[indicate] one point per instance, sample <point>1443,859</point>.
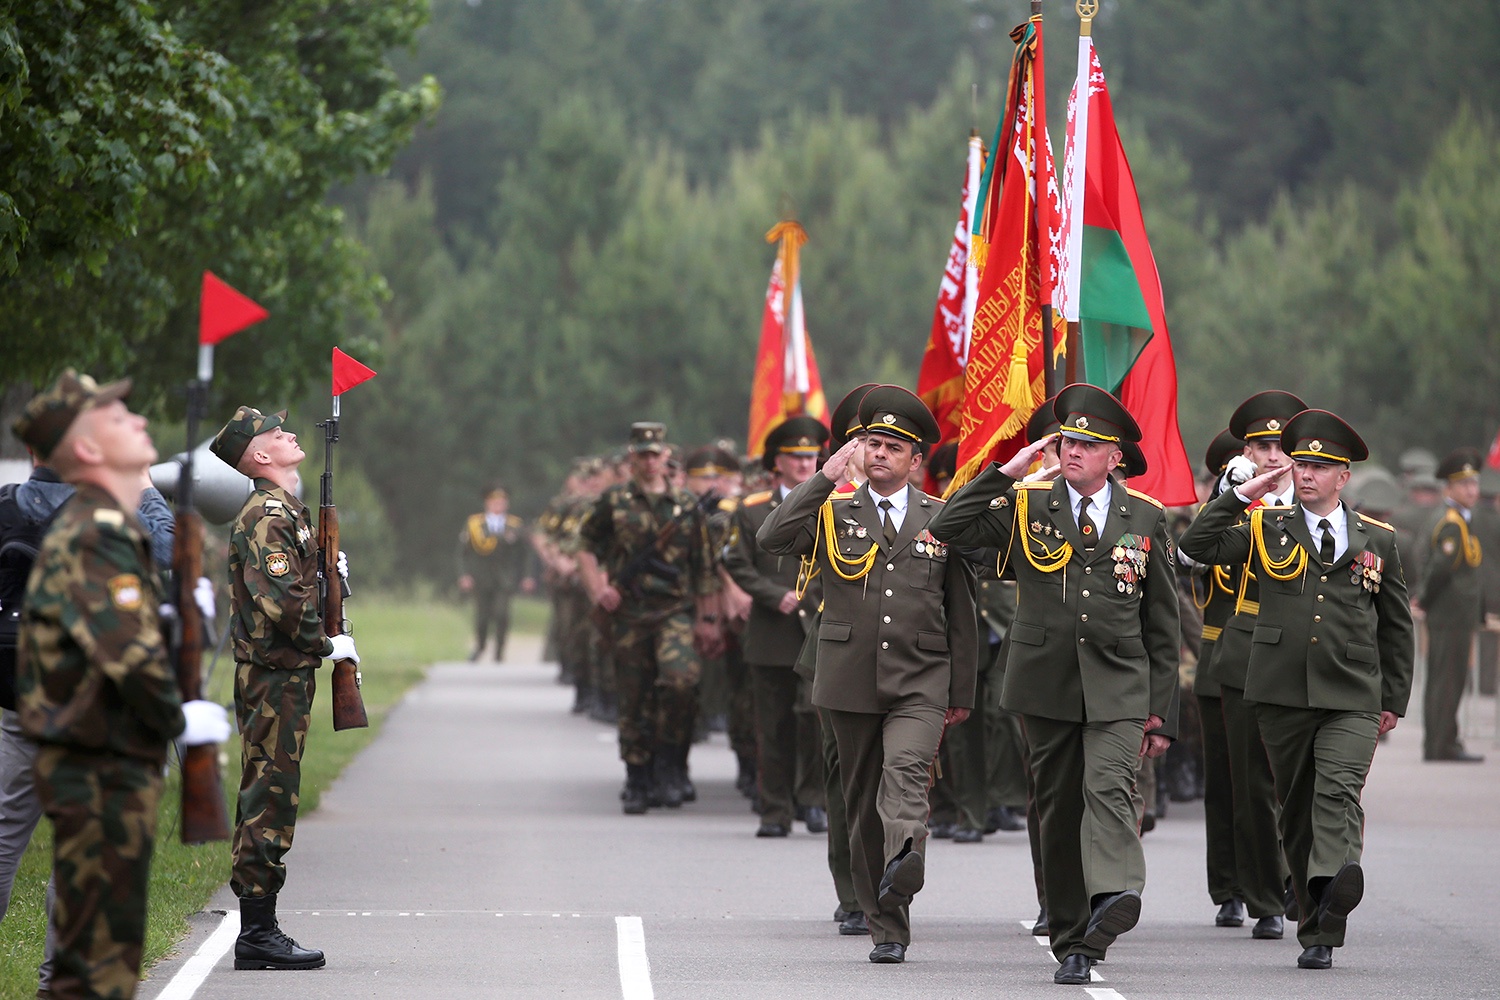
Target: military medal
<point>860,532</point>
<point>921,548</point>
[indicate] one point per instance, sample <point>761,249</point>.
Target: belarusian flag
<point>1015,230</point>
<point>1109,283</point>
<point>940,383</point>
<point>786,382</point>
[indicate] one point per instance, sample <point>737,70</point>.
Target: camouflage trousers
<point>656,675</point>
<point>274,708</point>
<point>103,812</point>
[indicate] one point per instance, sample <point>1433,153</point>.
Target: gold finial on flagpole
<point>1086,11</point>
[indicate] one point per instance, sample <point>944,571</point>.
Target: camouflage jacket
<point>275,617</point>
<point>625,520</point>
<point>93,671</point>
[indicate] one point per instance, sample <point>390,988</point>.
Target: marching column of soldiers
<point>1050,650</point>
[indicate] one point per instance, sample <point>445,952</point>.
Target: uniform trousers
<point>1218,802</point>
<point>1320,759</point>
<point>884,759</point>
<point>20,810</point>
<point>789,765</point>
<point>1260,864</point>
<point>274,710</point>
<point>492,611</point>
<point>103,810</point>
<point>839,858</point>
<point>1448,653</point>
<point>1091,845</point>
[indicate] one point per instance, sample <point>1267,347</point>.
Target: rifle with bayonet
<point>333,587</point>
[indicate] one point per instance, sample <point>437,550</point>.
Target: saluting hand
<point>1021,460</point>
<point>837,465</point>
<point>1263,483</point>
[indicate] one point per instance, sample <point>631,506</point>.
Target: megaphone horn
<point>218,491</point>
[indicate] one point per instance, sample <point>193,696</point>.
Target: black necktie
<point>1085,526</point>
<point>1325,547</point>
<point>890,524</point>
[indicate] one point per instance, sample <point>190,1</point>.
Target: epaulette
<point>1039,485</point>
<point>729,505</point>
<point>1367,519</point>
<point>275,507</point>
<point>755,499</point>
<point>1146,497</point>
<point>113,518</point>
<point>1280,506</point>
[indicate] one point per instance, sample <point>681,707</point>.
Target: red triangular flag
<point>223,312</point>
<point>348,373</point>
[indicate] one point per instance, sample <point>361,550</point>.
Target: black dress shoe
<point>1231,914</point>
<point>772,830</point>
<point>1114,915</point>
<point>943,831</point>
<point>967,836</point>
<point>1340,896</point>
<point>1319,956</point>
<point>854,925</point>
<point>1289,903</point>
<point>1074,970</point>
<point>1008,819</point>
<point>840,914</point>
<point>816,819</point>
<point>1459,756</point>
<point>1042,928</point>
<point>890,953</point>
<point>902,880</point>
<point>1268,929</point>
<point>1148,822</point>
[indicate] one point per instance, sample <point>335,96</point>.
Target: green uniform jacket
<point>496,562</point>
<point>907,630</point>
<point>771,638</point>
<point>1452,591</point>
<point>92,670</point>
<point>1082,648</point>
<point>1218,582</point>
<point>275,618</point>
<point>1330,640</point>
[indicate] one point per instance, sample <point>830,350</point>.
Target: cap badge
<point>889,418</point>
<point>1273,424</point>
<point>1082,423</point>
<point>1316,445</point>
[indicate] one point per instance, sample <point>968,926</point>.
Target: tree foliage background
<point>575,239</point>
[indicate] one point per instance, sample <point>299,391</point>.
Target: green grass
<point>398,638</point>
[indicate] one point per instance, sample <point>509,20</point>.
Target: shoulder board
<point>113,518</point>
<point>519,522</point>
<point>273,506</point>
<point>1146,497</point>
<point>1034,486</point>
<point>1366,519</point>
<point>729,504</point>
<point>755,499</point>
<point>1281,509</point>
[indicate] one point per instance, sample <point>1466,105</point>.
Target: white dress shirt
<point>1098,507</point>
<point>897,513</point>
<point>1339,519</point>
<point>495,523</point>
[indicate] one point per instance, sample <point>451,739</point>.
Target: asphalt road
<point>477,850</point>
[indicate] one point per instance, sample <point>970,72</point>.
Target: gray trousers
<point>20,809</point>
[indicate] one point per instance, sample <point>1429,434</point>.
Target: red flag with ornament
<point>786,382</point>
<point>1015,239</point>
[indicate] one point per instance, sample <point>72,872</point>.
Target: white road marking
<point>635,968</point>
<point>1102,993</point>
<point>197,968</point>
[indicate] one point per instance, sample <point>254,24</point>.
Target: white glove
<point>1239,470</point>
<point>343,566</point>
<point>343,648</point>
<point>207,722</point>
<point>203,596</point>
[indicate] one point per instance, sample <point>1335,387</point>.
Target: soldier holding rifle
<point>279,639</point>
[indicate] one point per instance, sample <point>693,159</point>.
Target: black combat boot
<point>664,778</point>
<point>684,780</point>
<point>633,799</point>
<point>744,782</point>
<point>262,945</point>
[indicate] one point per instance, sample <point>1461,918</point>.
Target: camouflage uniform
<point>278,638</point>
<point>656,667</point>
<point>103,713</point>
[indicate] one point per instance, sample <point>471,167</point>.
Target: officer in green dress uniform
<point>494,562</point>
<point>1331,660</point>
<point>1451,596</point>
<point>896,646</point>
<point>1092,660</point>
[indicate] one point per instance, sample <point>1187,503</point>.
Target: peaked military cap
<point>1418,463</point>
<point>234,438</point>
<point>1088,413</point>
<point>799,435</point>
<point>711,460</point>
<point>1264,415</point>
<point>1132,460</point>
<point>898,413</point>
<point>846,415</point>
<point>1220,450</point>
<point>1320,436</point>
<point>48,416</point>
<point>1043,422</point>
<point>646,435</point>
<point>1460,463</point>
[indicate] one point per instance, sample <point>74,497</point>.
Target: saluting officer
<point>1451,598</point>
<point>1331,658</point>
<point>897,648</point>
<point>276,628</point>
<point>1092,661</point>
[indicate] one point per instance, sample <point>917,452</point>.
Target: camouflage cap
<point>50,413</point>
<point>235,437</point>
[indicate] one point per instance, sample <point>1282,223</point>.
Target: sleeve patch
<point>125,591</point>
<point>278,564</point>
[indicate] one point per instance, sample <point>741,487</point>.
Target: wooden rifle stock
<point>348,704</point>
<point>204,815</point>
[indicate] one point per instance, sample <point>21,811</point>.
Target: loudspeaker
<point>218,491</point>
